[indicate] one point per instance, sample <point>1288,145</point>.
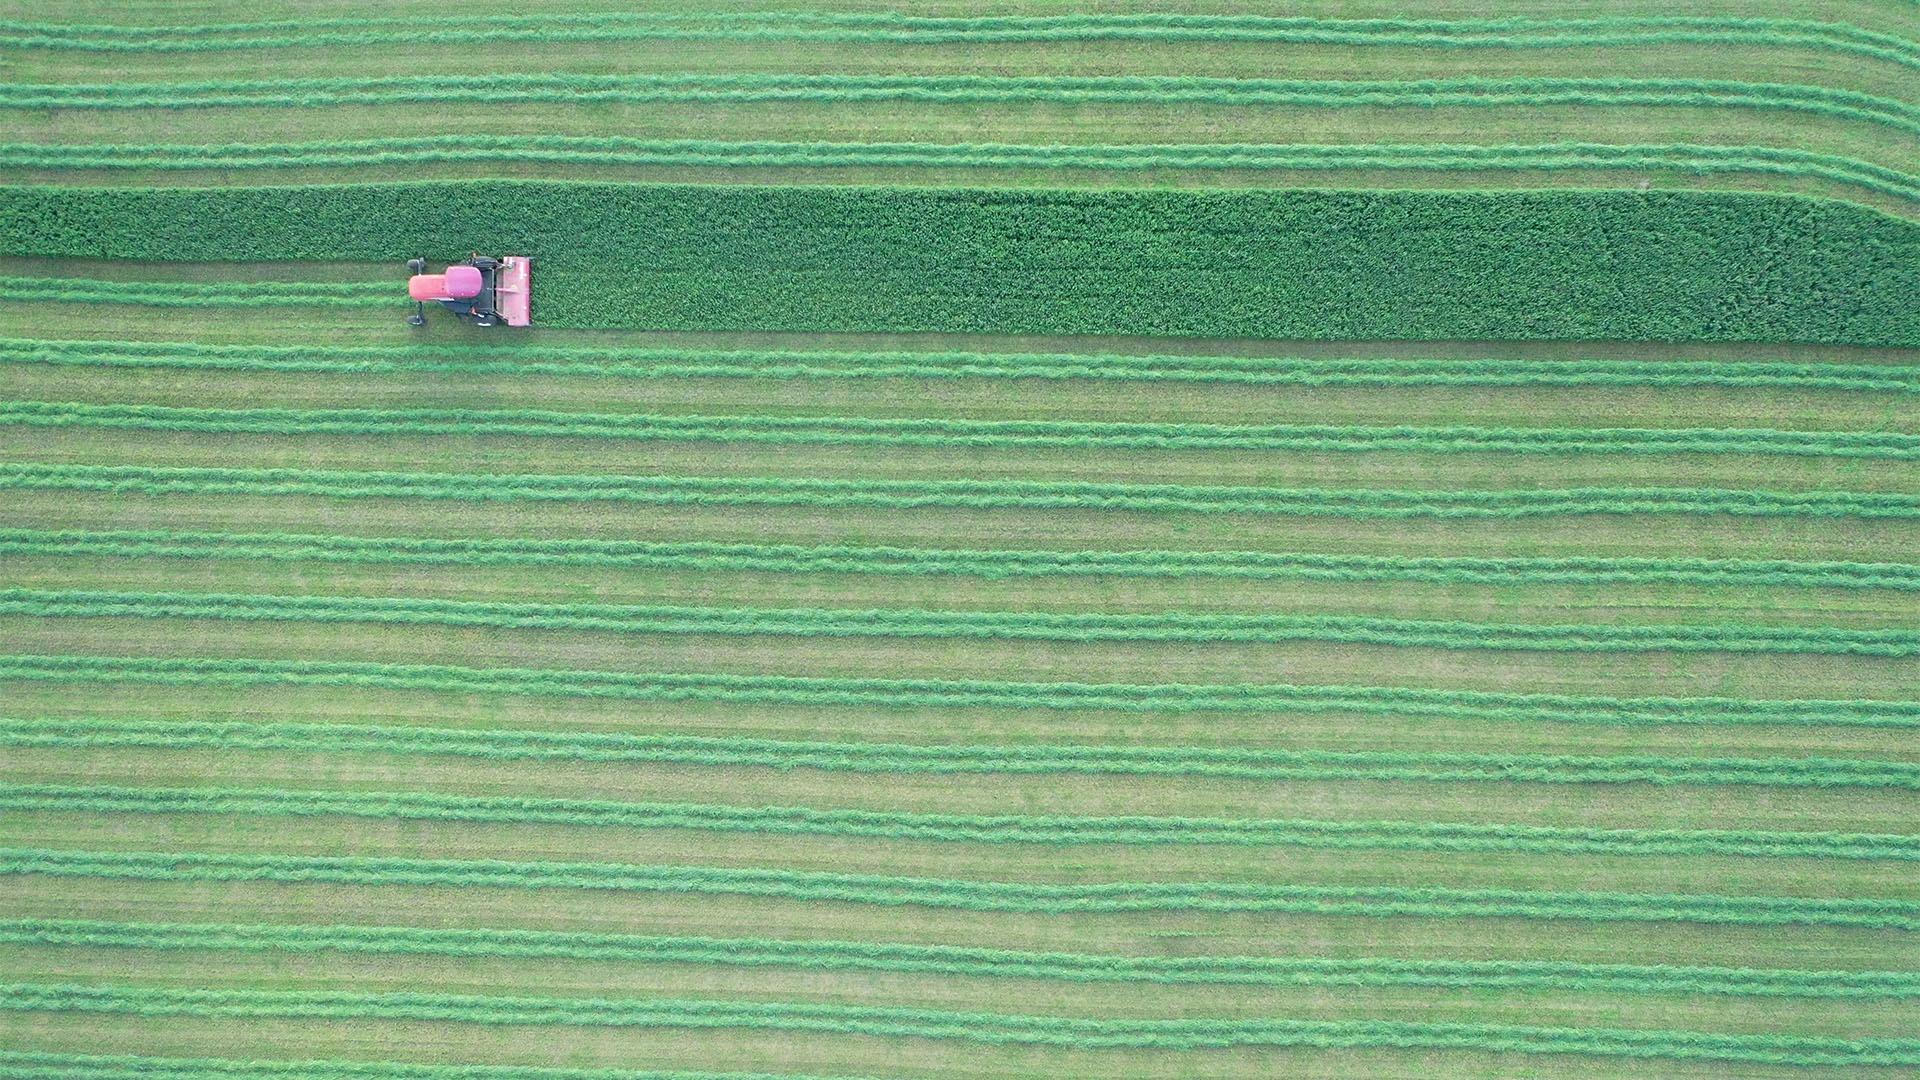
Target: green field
<point>1127,539</point>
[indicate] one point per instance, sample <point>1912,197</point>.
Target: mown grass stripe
<point>71,290</point>
<point>42,1065</point>
<point>705,153</point>
<point>899,28</point>
<point>1375,701</point>
<point>827,955</point>
<point>1081,1033</point>
<point>958,828</point>
<point>1216,762</point>
<point>994,564</point>
<point>1375,901</point>
<point>982,625</point>
<point>956,494</point>
<point>200,288</point>
<point>651,363</point>
<point>950,433</point>
<point>1051,89</point>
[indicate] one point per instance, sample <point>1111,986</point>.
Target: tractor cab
<point>487,290</point>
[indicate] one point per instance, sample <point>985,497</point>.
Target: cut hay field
<point>1163,540</point>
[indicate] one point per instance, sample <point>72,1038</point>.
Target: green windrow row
<point>898,28</point>
<point>539,360</point>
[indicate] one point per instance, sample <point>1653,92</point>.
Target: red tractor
<point>487,290</point>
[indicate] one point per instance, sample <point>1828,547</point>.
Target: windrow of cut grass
<point>1162,761</point>
<point>901,28</point>
<point>1002,625</point>
<point>544,361</point>
<point>1358,503</point>
<point>993,564</point>
<point>521,88</point>
<point>959,828</point>
<point>191,294</point>
<point>1376,701</point>
<point>1686,159</point>
<point>1074,1032</point>
<point>953,433</point>
<point>824,955</point>
<point>44,1065</point>
<point>1371,901</point>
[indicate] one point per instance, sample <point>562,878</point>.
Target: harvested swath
<point>1217,762</point>
<point>41,1065</point>
<point>1074,1032</point>
<point>651,363</point>
<point>71,290</point>
<point>898,28</point>
<point>857,559</point>
<point>954,433</point>
<point>822,955</point>
<point>982,625</point>
<point>967,693</point>
<point>958,828</point>
<point>955,494</point>
<point>1381,901</point>
<point>761,154</point>
<point>1059,89</point>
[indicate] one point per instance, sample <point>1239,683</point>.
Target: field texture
<point>1168,540</point>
